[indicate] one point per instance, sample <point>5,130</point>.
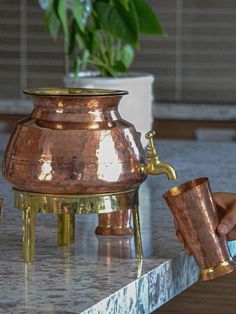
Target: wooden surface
<point>9,121</point>
<point>185,129</point>
<point>211,297</point>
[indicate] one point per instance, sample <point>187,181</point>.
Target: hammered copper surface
<point>74,143</point>
<point>117,223</point>
<point>197,218</point>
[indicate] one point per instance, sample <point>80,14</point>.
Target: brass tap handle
<point>154,165</point>
<point>151,150</point>
<point>150,134</point>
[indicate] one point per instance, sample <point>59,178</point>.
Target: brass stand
<point>29,221</point>
<point>137,233</point>
<point>66,206</point>
<point>65,229</point>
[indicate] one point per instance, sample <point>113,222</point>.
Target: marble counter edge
<point>154,288</point>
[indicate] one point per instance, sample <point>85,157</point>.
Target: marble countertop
<point>101,274</point>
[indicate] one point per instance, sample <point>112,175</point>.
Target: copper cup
<point>197,218</point>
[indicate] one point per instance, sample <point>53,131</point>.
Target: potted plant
<point>102,35</point>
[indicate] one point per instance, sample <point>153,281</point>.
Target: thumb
<point>228,221</point>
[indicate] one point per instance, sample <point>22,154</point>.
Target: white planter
<point>136,107</point>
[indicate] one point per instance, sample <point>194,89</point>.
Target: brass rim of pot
<point>51,91</point>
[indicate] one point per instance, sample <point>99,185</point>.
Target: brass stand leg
<point>29,220</point>
<point>137,234</point>
<point>65,229</point>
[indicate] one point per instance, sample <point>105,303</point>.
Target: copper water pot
<point>75,142</point>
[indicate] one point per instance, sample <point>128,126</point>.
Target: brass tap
<point>154,165</point>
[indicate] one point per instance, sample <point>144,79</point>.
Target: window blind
<point>195,62</point>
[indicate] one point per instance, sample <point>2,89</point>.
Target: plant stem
<point>103,50</point>
<point>66,56</point>
<point>104,69</point>
<point>110,50</point>
<point>118,47</point>
<point>66,63</point>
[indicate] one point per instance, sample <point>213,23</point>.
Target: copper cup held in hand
<point>197,218</point>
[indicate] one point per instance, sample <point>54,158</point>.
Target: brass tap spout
<point>154,165</point>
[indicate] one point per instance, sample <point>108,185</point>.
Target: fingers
<point>229,220</point>
<point>224,199</point>
<point>232,235</point>
<point>220,201</point>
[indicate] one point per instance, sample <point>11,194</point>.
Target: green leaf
<point>76,67</point>
<point>120,67</point>
<point>117,21</point>
<point>125,4</point>
<point>148,21</point>
<point>93,23</point>
<point>85,59</point>
<point>78,13</point>
<point>62,15</point>
<point>52,23</point>
<point>82,40</point>
<point>85,39</point>
<point>72,40</point>
<point>126,55</point>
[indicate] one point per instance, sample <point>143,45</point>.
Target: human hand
<point>226,203</point>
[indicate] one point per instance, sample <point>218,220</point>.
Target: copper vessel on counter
<point>76,143</point>
<point>197,218</point>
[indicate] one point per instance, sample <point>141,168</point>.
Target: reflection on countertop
<point>100,274</point>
